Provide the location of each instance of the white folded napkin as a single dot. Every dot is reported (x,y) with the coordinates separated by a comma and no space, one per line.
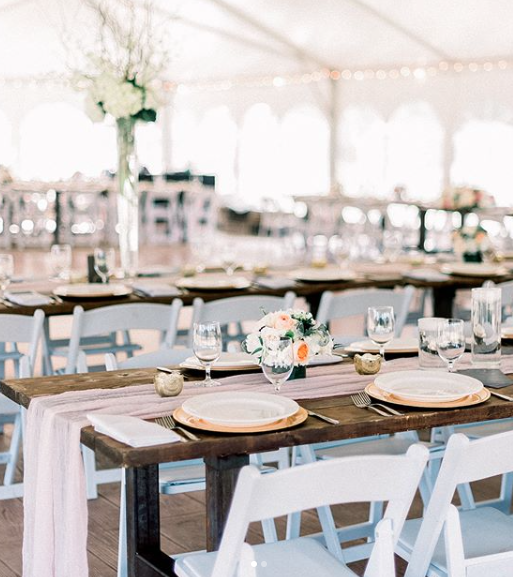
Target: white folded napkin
(275,282)
(157,290)
(131,430)
(27,298)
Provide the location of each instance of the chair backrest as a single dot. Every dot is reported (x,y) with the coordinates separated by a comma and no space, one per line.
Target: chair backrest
(125,317)
(346,480)
(337,306)
(238,309)
(506,296)
(162,357)
(23,329)
(465,461)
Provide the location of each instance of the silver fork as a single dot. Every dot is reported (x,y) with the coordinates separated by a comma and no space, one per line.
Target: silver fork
(501,396)
(169,423)
(361,403)
(369,401)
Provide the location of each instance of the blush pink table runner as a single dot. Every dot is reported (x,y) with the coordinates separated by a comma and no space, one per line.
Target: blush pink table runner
(55,504)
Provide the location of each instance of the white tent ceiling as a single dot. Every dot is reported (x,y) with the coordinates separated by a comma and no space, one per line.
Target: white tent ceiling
(220,39)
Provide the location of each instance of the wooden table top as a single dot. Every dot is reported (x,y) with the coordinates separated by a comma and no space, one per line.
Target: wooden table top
(353,422)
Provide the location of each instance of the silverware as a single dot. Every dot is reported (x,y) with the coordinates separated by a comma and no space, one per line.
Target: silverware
(501,396)
(369,400)
(323,418)
(165,370)
(169,423)
(7,303)
(56,299)
(361,403)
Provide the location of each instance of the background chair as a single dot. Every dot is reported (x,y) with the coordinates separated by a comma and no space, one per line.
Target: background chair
(257,497)
(338,306)
(237,310)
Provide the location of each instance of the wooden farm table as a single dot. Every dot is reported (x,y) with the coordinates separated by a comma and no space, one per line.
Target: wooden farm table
(444,292)
(224,454)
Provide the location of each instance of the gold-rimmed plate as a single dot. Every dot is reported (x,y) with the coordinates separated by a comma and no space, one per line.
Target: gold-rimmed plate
(376,393)
(92,291)
(185,419)
(213,283)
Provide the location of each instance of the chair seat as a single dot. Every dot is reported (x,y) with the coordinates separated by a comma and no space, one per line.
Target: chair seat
(383,446)
(302,557)
(486,531)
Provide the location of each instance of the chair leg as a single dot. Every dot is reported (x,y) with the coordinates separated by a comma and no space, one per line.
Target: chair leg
(506,493)
(45,347)
(90,472)
(122,547)
(14,449)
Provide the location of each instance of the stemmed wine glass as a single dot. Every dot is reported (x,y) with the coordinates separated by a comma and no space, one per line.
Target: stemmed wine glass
(60,256)
(381,326)
(450,343)
(277,360)
(207,345)
(104,261)
(6,272)
(229,259)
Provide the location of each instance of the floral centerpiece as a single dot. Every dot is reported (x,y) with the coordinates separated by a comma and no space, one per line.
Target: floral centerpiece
(121,74)
(471,242)
(309,338)
(465,197)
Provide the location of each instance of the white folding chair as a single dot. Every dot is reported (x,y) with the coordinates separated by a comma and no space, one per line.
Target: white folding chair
(181,476)
(478,542)
(124,317)
(351,480)
(21,329)
(338,306)
(238,310)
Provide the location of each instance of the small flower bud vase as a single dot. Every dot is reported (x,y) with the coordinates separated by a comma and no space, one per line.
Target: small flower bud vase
(486,327)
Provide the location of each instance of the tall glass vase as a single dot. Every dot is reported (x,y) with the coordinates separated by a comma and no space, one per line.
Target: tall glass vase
(128,197)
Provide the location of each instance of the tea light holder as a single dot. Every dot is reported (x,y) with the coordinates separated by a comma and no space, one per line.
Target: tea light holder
(367,364)
(168,384)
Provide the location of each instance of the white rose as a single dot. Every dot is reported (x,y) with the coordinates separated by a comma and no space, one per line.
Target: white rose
(123,100)
(253,343)
(93,111)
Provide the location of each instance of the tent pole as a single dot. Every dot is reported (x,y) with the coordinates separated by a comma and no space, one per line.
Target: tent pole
(333,122)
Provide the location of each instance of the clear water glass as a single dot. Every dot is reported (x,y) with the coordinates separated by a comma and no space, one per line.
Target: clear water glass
(277,360)
(104,262)
(6,272)
(60,259)
(340,249)
(428,335)
(207,344)
(381,326)
(486,327)
(451,341)
(229,259)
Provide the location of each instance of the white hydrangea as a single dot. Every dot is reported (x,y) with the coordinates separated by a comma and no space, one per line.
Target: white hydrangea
(122,99)
(93,110)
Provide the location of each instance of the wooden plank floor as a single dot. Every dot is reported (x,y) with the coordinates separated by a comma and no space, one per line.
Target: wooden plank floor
(183,525)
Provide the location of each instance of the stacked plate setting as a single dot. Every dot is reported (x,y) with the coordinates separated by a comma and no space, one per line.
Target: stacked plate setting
(240,412)
(428,389)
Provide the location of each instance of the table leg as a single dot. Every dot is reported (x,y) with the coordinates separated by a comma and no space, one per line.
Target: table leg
(443,299)
(221,476)
(145,558)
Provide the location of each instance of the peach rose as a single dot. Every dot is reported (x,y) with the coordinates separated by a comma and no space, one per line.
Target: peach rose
(301,352)
(284,322)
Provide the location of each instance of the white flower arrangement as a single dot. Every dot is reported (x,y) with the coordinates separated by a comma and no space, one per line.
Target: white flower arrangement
(465,197)
(122,70)
(309,337)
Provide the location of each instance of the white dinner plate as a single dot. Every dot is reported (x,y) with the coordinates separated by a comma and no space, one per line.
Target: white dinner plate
(240,409)
(400,345)
(92,290)
(320,360)
(207,283)
(430,386)
(474,269)
(507,332)
(329,274)
(226,362)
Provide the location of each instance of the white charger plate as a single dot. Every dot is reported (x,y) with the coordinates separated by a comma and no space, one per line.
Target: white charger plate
(430,386)
(321,360)
(323,274)
(226,362)
(474,269)
(92,290)
(207,283)
(400,345)
(240,409)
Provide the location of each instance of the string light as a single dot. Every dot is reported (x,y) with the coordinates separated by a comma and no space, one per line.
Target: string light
(417,73)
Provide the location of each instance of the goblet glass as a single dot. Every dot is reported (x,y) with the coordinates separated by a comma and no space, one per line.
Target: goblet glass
(60,258)
(277,360)
(104,261)
(381,326)
(207,345)
(6,272)
(229,259)
(450,343)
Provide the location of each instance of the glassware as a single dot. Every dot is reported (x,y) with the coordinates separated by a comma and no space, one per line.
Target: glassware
(428,352)
(486,327)
(207,345)
(340,249)
(277,360)
(229,259)
(60,258)
(6,272)
(104,261)
(381,326)
(318,251)
(450,343)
